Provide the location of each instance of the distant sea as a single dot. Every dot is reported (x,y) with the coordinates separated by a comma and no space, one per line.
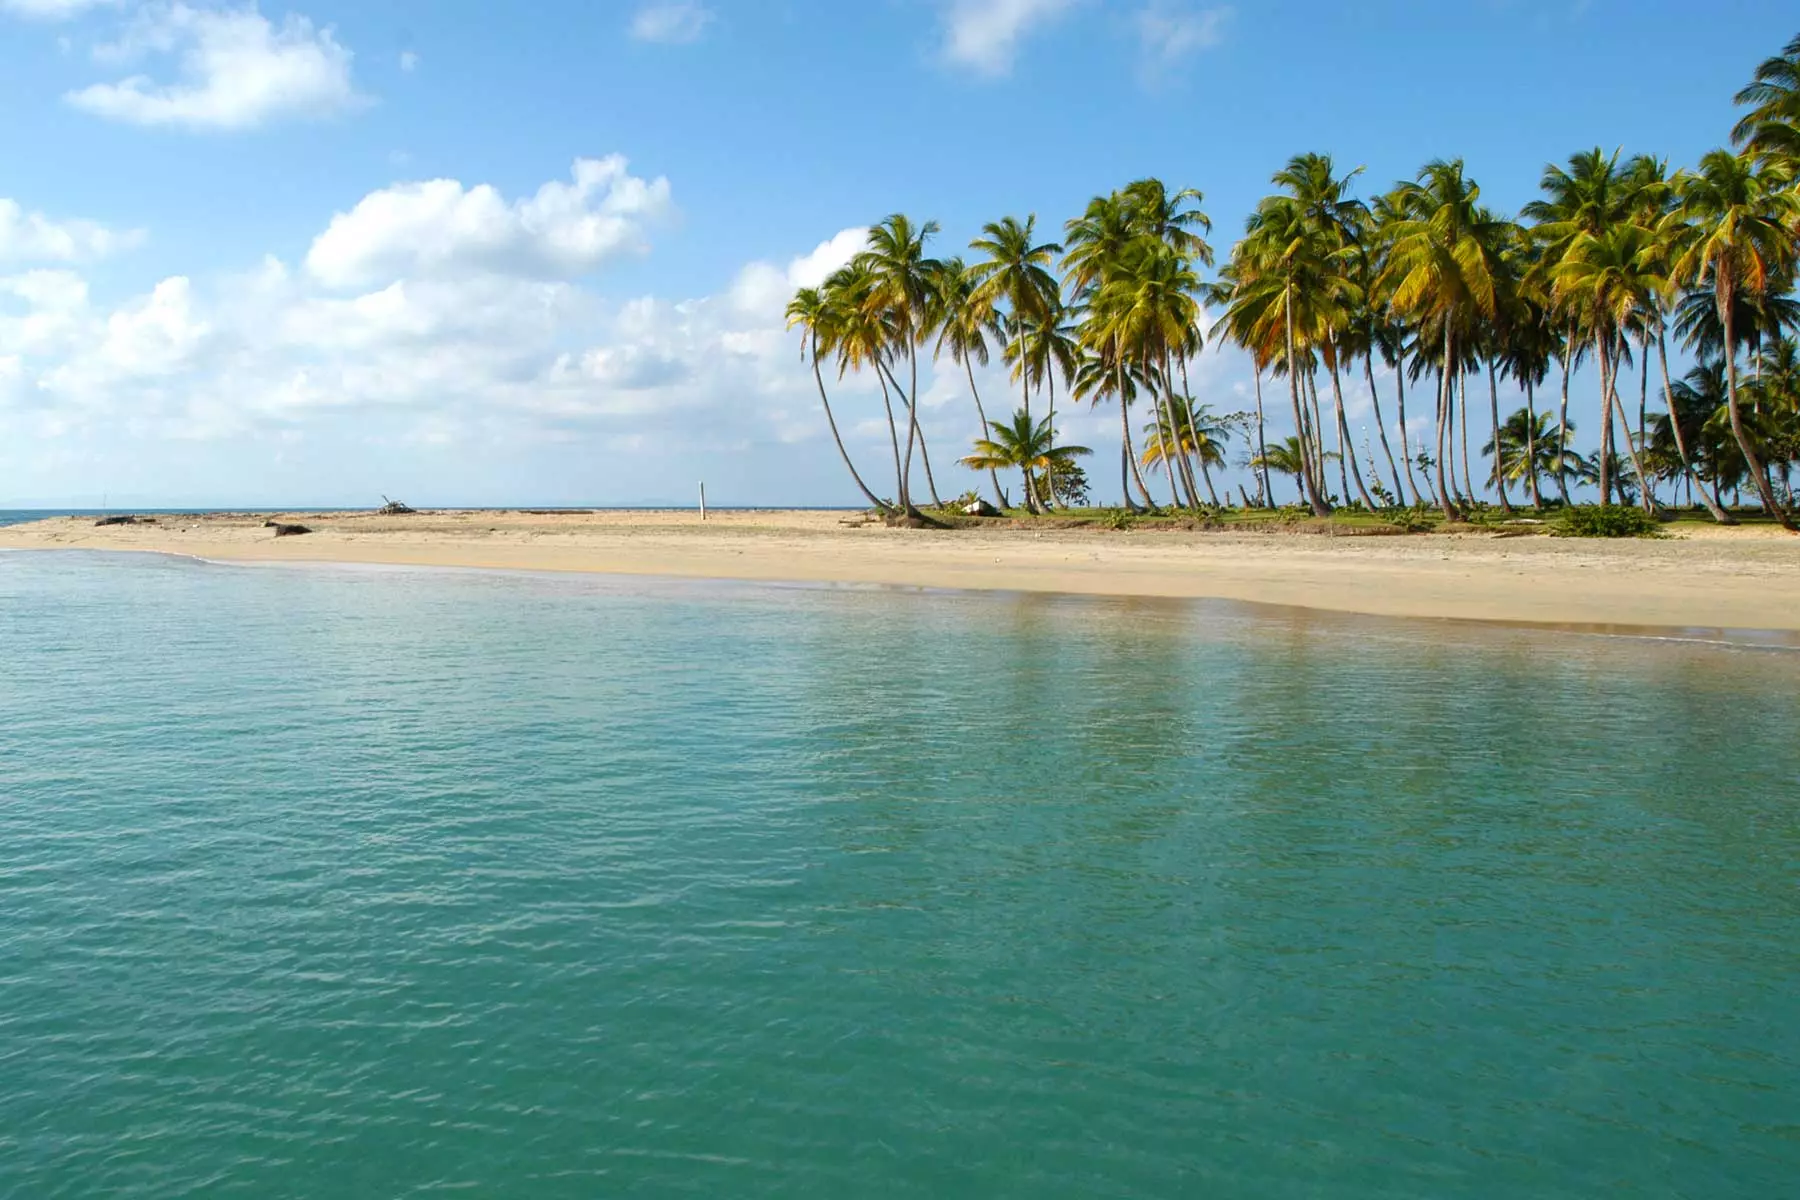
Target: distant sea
(383,882)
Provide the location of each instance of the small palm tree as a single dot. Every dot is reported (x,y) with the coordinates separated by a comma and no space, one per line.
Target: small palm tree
(1286,457)
(1526,446)
(1197,433)
(1023,446)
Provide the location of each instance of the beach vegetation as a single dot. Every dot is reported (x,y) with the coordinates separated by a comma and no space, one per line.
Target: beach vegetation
(1340,303)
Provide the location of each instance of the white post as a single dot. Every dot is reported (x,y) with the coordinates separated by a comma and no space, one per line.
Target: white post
(703,499)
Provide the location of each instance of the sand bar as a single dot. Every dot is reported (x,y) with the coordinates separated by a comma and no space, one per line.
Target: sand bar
(1745,579)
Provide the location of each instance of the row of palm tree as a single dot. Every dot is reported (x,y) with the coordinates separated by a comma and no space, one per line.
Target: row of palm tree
(1423,284)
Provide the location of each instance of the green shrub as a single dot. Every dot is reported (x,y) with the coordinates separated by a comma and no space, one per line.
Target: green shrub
(1607,521)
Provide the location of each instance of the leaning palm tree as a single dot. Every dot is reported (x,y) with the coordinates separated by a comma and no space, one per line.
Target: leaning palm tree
(903,285)
(820,319)
(1020,445)
(1742,217)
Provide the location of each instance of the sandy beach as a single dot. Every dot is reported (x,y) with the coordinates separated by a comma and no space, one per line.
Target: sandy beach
(1705,579)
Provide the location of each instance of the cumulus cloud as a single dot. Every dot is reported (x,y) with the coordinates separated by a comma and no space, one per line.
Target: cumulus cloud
(441,228)
(33,237)
(1168,35)
(236,70)
(671,23)
(985,34)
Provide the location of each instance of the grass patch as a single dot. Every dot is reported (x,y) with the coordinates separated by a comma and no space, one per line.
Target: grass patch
(1608,521)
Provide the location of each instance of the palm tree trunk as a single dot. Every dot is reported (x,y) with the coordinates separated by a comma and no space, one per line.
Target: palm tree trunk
(1318,428)
(1130,452)
(1206,474)
(1050,444)
(893,439)
(925,458)
(835,436)
(1170,453)
(1462,391)
(1346,451)
(1448,466)
(1262,445)
(1443,412)
(1031,504)
(915,437)
(1645,498)
(1494,406)
(1307,487)
(1605,425)
(1193,435)
(1381,426)
(1418,495)
(1687,465)
(986,431)
(1751,462)
(1531,463)
(1562,417)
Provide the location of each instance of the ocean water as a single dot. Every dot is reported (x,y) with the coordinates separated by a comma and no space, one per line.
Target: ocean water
(363,882)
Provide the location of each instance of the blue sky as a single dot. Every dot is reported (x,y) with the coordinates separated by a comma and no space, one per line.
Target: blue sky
(434,248)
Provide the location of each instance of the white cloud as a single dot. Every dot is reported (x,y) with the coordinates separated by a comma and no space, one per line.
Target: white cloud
(237,70)
(1168,35)
(985,34)
(52,10)
(671,22)
(33,237)
(409,61)
(440,228)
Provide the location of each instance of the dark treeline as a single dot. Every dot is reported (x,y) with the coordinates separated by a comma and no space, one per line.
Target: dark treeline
(1615,258)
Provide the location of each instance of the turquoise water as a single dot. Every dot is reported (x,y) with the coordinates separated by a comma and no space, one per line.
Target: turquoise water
(341,882)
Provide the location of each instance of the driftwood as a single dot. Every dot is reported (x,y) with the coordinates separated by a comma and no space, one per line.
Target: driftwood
(282,530)
(393,508)
(125,520)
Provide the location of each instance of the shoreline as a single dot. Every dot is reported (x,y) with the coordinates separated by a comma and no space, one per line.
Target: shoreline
(1716,582)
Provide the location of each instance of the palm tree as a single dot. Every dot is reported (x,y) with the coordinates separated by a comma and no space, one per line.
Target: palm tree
(1587,198)
(1771,129)
(1191,431)
(1688,426)
(964,325)
(1606,279)
(1742,216)
(1148,308)
(1444,270)
(903,286)
(1286,457)
(1017,271)
(1526,447)
(1046,349)
(1022,445)
(1281,272)
(864,336)
(820,318)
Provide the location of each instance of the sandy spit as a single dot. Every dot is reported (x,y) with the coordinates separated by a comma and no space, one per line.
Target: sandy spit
(1711,580)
